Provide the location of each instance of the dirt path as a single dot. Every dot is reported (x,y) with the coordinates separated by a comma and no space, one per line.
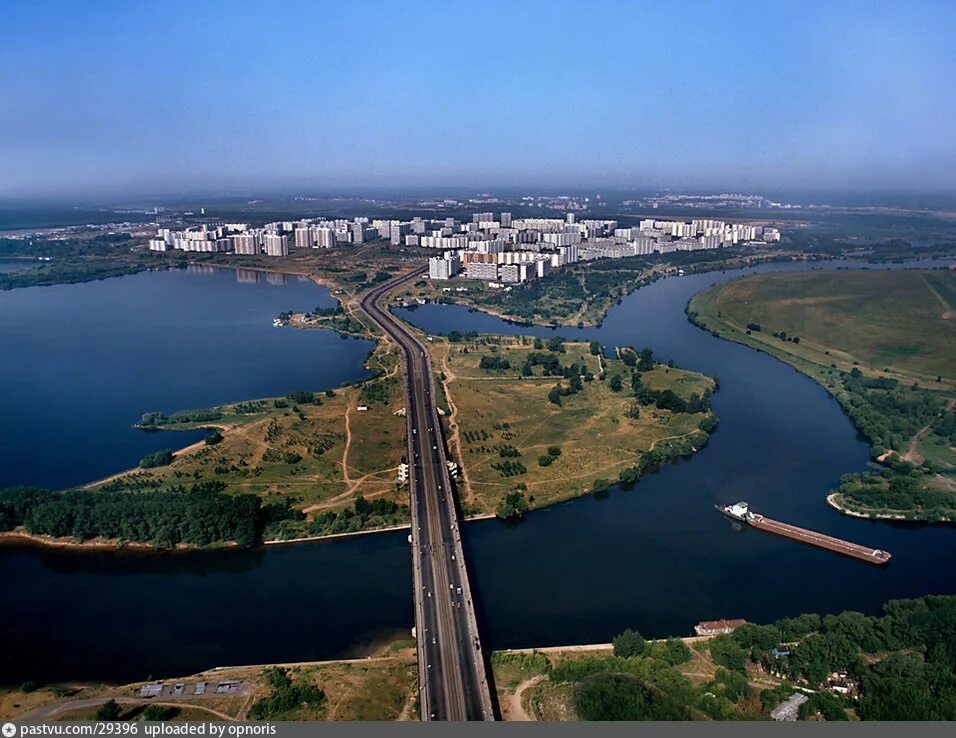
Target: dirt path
(348,444)
(912,455)
(450,377)
(47,712)
(512,709)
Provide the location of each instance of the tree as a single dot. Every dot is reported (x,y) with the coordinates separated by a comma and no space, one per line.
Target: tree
(158,458)
(623,697)
(157,713)
(538,344)
(725,651)
(555,394)
(595,348)
(629,643)
(512,505)
(109,710)
(554,450)
(616,385)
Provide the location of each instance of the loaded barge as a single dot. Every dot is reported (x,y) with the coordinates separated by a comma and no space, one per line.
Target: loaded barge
(741,511)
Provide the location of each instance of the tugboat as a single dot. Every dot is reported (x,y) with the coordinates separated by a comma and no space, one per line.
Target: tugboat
(737,511)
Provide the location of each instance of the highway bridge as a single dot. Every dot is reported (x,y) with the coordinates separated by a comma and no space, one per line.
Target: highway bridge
(453,681)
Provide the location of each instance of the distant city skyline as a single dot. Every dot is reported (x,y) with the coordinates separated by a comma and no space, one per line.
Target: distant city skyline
(121,99)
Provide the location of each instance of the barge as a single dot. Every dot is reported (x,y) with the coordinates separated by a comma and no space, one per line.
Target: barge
(741,511)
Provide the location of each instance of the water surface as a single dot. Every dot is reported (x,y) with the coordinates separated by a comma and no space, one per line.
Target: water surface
(657,558)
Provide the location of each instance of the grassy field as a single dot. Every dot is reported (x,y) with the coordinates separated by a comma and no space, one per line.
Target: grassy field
(883,343)
(903,321)
(384,687)
(502,423)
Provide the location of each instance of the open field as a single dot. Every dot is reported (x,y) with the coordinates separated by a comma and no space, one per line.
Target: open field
(502,423)
(378,688)
(902,320)
(883,343)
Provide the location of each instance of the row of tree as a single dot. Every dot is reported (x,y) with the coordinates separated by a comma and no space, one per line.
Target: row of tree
(200,516)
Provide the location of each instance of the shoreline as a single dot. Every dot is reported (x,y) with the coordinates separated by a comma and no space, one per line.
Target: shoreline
(900,518)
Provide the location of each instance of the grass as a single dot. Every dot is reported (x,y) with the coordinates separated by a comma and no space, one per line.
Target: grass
(379,688)
(501,410)
(903,320)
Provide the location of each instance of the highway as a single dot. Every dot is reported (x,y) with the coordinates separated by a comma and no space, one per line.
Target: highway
(453,680)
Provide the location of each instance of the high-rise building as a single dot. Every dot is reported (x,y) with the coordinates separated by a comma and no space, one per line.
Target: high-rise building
(506,220)
(275,245)
(246,244)
(303,237)
(324,237)
(443,268)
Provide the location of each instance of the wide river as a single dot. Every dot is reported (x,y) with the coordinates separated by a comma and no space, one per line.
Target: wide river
(657,558)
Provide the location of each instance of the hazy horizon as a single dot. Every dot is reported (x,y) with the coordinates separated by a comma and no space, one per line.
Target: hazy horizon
(133,100)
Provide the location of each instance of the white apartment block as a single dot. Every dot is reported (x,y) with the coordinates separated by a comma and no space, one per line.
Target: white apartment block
(443,267)
(275,245)
(484,272)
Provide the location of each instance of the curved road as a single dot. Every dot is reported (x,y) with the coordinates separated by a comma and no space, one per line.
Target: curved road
(451,665)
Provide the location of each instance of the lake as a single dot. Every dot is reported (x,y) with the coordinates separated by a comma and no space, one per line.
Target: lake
(657,558)
(82,363)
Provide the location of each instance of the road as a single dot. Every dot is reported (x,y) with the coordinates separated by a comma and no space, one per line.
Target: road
(451,665)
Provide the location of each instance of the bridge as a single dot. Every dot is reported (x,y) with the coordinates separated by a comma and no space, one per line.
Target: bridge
(452,677)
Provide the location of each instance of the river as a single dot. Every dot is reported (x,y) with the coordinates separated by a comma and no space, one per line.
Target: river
(657,558)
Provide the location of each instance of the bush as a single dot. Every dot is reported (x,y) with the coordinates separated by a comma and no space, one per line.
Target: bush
(623,697)
(108,711)
(159,458)
(629,643)
(512,505)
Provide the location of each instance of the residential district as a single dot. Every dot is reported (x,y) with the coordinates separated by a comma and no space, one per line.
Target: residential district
(499,250)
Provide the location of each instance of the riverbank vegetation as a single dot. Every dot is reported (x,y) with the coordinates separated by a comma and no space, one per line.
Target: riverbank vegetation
(899,666)
(883,343)
(534,422)
(197,515)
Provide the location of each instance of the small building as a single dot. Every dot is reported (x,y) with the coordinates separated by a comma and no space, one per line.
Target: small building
(840,682)
(789,709)
(717,627)
(150,690)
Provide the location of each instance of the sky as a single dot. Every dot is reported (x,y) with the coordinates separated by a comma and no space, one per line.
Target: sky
(155,97)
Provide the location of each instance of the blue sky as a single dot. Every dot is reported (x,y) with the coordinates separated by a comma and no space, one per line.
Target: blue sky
(166,96)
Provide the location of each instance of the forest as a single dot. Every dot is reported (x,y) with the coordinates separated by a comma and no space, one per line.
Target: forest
(200,515)
(900,665)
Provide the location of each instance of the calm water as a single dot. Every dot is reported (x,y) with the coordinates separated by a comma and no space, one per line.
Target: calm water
(657,557)
(81,363)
